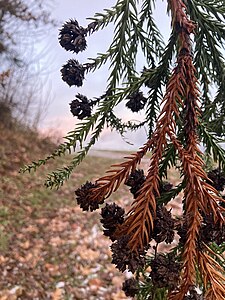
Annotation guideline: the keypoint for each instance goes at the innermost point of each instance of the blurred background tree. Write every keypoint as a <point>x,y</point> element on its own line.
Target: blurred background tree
<point>22,23</point>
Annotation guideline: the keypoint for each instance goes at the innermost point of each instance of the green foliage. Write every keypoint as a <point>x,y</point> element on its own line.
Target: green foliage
<point>212,145</point>
<point>209,59</point>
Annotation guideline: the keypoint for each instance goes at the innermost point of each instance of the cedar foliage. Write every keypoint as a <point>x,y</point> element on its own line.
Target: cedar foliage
<point>180,114</point>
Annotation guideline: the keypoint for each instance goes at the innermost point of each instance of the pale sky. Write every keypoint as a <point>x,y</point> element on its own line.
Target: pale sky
<point>58,115</point>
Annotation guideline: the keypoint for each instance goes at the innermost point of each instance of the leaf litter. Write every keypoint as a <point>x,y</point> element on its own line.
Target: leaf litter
<point>50,248</point>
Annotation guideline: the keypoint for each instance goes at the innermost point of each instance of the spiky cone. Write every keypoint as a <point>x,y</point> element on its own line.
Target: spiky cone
<point>211,232</point>
<point>130,287</point>
<point>164,226</point>
<point>112,216</point>
<point>217,179</point>
<point>83,196</point>
<point>136,101</point>
<point>73,73</point>
<point>80,107</point>
<point>72,37</point>
<point>135,181</point>
<point>165,271</point>
<point>124,258</point>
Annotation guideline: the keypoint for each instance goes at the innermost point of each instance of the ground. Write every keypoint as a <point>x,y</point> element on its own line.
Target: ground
<point>49,247</point>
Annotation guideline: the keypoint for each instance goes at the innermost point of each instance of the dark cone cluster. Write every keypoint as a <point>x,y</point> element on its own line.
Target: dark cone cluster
<point>136,101</point>
<point>163,226</point>
<point>112,216</point>
<point>80,107</point>
<point>165,271</point>
<point>72,37</point>
<point>218,179</point>
<point>83,197</point>
<point>135,181</point>
<point>124,258</point>
<point>130,287</point>
<point>73,73</point>
<point>211,231</point>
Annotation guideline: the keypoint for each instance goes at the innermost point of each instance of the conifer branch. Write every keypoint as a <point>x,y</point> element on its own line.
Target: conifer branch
<point>156,79</point>
<point>57,178</point>
<point>101,20</point>
<point>213,275</point>
<point>121,127</point>
<point>212,145</point>
<point>197,196</point>
<point>153,32</point>
<point>120,172</point>
<point>143,208</point>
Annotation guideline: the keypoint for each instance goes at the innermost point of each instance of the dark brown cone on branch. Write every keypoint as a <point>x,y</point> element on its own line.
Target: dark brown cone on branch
<point>124,258</point>
<point>163,226</point>
<point>211,231</point>
<point>135,181</point>
<point>165,271</point>
<point>72,37</point>
<point>112,216</point>
<point>80,107</point>
<point>83,196</point>
<point>136,101</point>
<point>218,179</point>
<point>130,287</point>
<point>73,73</point>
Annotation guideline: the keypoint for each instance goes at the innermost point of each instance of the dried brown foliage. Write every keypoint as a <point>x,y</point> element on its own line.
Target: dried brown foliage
<point>212,273</point>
